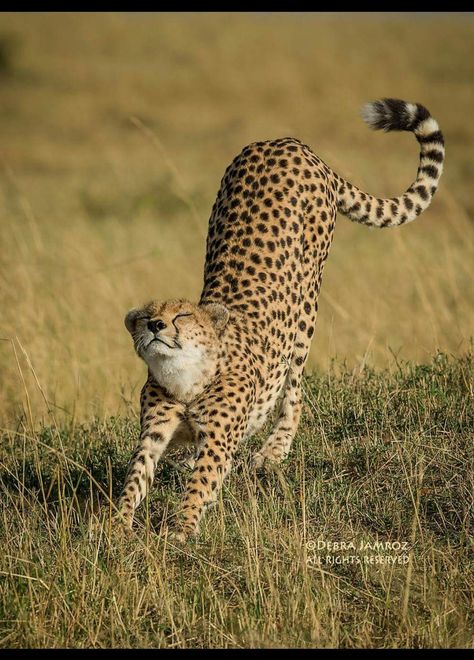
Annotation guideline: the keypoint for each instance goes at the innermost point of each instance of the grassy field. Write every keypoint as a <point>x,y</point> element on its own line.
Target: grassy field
<point>115,133</point>
<point>380,457</point>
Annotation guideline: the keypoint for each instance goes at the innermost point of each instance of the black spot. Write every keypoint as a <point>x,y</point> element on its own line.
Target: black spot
<point>436,137</point>
<point>430,170</point>
<point>421,114</point>
<point>421,190</point>
<point>434,154</point>
<point>269,262</point>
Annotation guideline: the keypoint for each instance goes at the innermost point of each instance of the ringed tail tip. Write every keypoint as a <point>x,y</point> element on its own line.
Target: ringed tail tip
<point>398,115</point>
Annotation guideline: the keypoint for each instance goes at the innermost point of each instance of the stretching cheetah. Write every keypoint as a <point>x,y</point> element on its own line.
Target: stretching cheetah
<point>216,369</point>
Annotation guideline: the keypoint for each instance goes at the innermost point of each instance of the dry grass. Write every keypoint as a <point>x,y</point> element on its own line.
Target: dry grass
<point>99,214</point>
<point>116,130</point>
<point>379,457</point>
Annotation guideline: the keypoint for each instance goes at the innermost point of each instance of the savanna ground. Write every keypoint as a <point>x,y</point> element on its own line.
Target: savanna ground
<point>116,130</point>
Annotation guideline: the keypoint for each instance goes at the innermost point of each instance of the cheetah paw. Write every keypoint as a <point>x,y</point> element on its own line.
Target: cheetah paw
<point>264,461</point>
<point>122,522</point>
<point>257,461</point>
<point>178,537</point>
<point>181,536</point>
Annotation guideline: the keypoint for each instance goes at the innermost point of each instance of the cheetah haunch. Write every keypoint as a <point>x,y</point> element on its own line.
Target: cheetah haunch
<point>217,369</point>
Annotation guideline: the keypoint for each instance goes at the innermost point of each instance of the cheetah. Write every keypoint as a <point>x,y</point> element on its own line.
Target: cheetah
<point>218,368</point>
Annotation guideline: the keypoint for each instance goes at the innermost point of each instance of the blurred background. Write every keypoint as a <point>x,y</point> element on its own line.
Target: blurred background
<point>115,132</point>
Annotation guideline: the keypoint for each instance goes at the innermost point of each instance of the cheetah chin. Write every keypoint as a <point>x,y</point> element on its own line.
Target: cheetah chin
<point>217,369</point>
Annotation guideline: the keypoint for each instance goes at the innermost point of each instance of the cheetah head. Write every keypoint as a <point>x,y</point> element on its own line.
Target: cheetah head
<point>179,341</point>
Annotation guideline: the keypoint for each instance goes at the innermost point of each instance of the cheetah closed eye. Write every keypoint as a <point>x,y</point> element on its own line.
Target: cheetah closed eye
<point>216,369</point>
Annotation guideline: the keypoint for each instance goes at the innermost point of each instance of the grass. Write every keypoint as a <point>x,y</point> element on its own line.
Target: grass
<point>381,456</point>
<point>116,131</point>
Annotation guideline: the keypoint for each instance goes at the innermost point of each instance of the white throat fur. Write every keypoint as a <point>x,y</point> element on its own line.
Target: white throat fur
<point>183,375</point>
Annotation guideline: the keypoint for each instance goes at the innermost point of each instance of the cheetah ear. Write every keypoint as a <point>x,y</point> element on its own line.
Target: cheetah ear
<point>131,318</point>
<point>219,315</point>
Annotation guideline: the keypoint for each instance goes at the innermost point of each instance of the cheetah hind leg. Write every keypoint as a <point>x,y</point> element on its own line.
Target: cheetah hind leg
<point>278,444</point>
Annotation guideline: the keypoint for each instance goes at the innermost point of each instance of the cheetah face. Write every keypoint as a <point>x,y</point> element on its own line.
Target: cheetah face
<point>157,331</point>
<point>177,337</point>
<point>172,327</point>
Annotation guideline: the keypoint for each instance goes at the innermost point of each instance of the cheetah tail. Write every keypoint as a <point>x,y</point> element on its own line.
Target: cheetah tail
<point>396,115</point>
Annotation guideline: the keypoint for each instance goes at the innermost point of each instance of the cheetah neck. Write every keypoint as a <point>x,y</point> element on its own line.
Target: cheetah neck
<point>185,375</point>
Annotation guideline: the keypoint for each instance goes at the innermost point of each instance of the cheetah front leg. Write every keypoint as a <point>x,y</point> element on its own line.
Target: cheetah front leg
<point>211,468</point>
<point>160,417</point>
<point>220,436</point>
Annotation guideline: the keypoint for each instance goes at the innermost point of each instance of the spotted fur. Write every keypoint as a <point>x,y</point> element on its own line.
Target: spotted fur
<point>217,369</point>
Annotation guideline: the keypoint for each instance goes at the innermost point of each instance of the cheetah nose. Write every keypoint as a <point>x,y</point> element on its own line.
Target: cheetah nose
<point>156,326</point>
